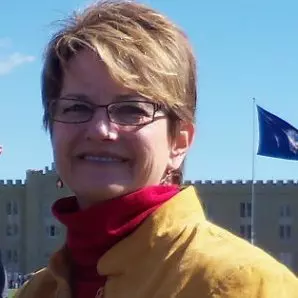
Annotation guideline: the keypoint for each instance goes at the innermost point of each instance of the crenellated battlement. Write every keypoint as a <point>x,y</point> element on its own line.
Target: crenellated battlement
<point>51,170</point>
<point>29,173</point>
<point>241,182</point>
<point>10,182</point>
<point>45,171</point>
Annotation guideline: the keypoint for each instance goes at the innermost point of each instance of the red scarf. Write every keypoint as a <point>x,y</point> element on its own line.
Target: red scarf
<point>93,231</point>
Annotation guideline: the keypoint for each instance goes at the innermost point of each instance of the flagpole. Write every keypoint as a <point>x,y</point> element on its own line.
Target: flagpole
<point>253,199</point>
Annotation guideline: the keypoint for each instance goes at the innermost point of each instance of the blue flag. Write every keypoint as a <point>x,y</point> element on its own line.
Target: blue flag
<point>277,138</point>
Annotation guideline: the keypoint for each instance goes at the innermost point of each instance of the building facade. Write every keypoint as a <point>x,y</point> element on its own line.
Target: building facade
<point>29,233</point>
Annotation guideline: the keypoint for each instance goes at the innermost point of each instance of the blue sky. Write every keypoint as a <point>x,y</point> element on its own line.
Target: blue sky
<point>245,49</point>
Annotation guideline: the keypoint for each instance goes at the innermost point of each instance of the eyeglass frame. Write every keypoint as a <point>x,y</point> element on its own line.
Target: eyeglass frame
<point>156,107</point>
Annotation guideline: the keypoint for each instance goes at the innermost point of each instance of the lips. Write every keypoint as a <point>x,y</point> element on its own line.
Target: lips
<point>102,157</point>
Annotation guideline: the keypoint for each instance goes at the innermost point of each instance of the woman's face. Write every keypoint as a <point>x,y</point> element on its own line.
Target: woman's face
<point>100,160</point>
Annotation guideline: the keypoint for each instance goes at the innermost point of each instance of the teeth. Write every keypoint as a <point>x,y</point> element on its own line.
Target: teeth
<point>102,159</point>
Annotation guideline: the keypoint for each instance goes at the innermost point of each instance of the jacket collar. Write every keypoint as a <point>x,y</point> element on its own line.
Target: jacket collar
<point>154,236</point>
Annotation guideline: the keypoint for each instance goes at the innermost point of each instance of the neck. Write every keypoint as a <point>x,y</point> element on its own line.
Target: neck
<point>93,231</point>
<point>84,202</point>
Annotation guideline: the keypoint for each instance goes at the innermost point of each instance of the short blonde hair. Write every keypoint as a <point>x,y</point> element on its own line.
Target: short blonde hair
<point>143,51</point>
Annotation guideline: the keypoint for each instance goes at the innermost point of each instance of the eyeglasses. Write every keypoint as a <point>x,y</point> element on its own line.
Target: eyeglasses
<point>129,112</point>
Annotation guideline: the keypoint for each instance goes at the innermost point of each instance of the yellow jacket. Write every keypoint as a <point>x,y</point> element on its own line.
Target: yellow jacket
<point>177,253</point>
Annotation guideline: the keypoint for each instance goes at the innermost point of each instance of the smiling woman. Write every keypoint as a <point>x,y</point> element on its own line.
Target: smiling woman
<point>120,141</point>
<point>119,97</point>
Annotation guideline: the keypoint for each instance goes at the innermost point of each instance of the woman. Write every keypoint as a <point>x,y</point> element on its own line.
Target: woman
<point>119,96</point>
<point>3,282</point>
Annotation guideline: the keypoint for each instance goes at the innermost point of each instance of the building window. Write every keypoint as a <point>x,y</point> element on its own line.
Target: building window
<point>285,232</point>
<point>15,229</point>
<point>286,258</point>
<point>12,208</point>
<point>246,232</point>
<point>9,231</point>
<point>245,209</point>
<point>52,231</point>
<point>8,208</point>
<point>12,230</point>
<point>285,210</point>
<point>281,232</point>
<point>15,208</point>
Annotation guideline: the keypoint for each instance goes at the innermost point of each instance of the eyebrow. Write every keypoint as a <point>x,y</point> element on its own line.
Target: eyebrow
<point>117,98</point>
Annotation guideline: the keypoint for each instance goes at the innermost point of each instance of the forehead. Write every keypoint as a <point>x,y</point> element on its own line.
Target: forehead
<point>87,74</point>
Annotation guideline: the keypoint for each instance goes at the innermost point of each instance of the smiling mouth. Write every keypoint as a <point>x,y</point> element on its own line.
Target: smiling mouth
<point>103,159</point>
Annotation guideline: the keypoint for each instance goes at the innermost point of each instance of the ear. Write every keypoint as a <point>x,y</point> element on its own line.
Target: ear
<point>180,144</point>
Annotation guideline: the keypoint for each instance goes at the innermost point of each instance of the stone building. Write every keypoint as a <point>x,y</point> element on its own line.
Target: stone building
<point>29,233</point>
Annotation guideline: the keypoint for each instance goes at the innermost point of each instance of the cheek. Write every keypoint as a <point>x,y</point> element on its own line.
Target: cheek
<point>151,145</point>
<point>61,143</point>
<point>56,140</point>
<point>159,138</point>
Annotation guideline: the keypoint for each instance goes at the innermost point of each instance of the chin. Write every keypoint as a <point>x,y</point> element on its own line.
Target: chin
<point>98,193</point>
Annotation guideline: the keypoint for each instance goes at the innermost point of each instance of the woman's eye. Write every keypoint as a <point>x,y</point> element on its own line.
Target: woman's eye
<point>132,110</point>
<point>77,108</point>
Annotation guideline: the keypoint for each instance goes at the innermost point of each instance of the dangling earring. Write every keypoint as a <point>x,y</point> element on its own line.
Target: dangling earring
<point>177,177</point>
<point>167,179</point>
<point>172,177</point>
<point>59,183</point>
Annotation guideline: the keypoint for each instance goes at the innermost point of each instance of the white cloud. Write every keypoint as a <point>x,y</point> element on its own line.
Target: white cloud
<point>12,61</point>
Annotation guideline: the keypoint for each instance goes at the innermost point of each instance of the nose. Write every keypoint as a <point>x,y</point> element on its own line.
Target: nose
<point>100,128</point>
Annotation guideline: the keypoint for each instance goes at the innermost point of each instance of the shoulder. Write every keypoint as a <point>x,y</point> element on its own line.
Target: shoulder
<point>232,267</point>
<point>2,277</point>
<point>40,283</point>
